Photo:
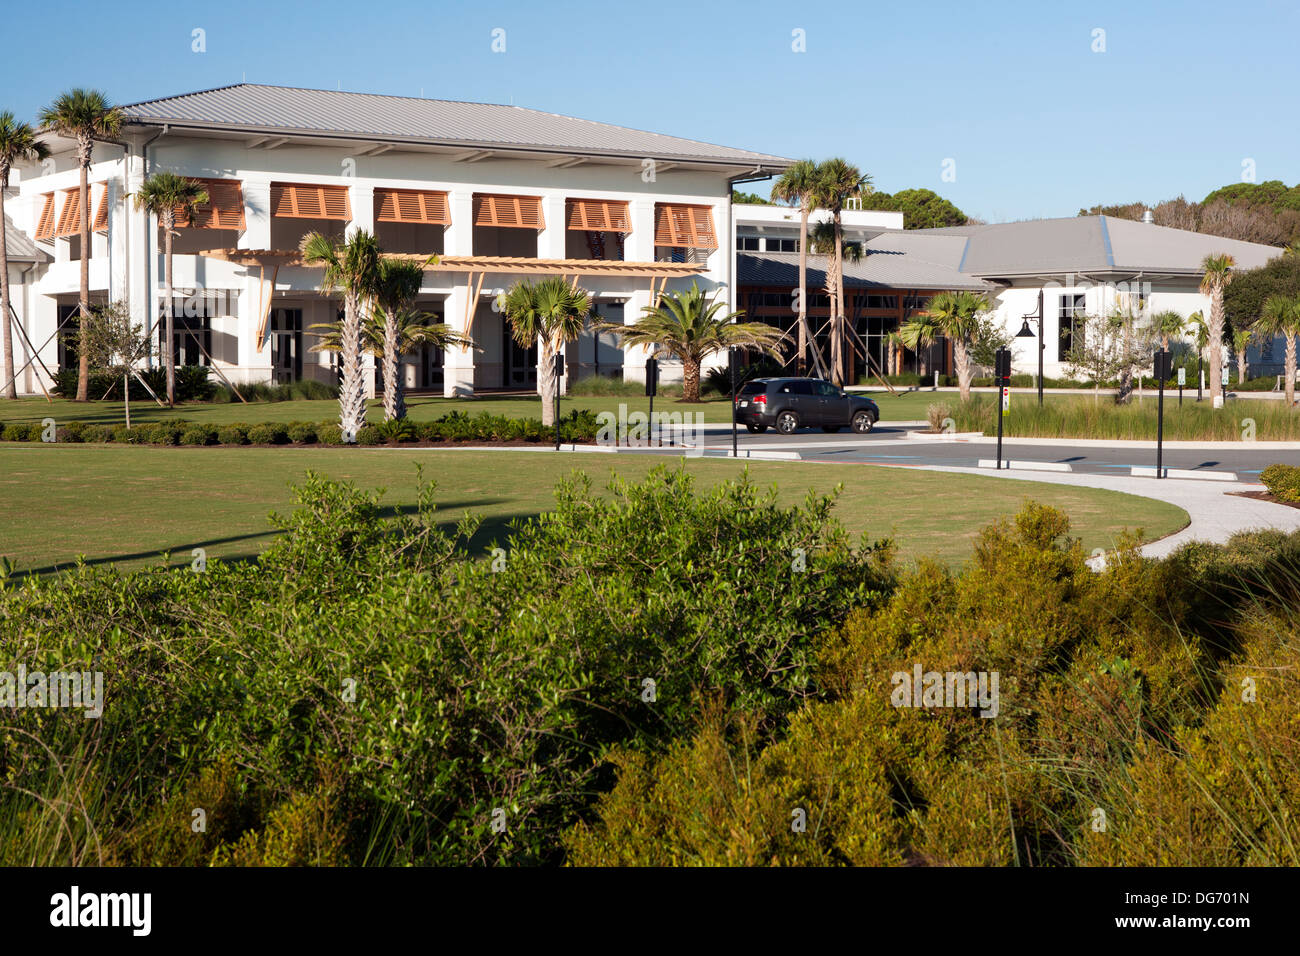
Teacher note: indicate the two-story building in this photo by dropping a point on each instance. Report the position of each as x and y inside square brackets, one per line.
[498, 193]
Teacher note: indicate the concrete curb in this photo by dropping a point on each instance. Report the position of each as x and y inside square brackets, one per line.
[1142, 471]
[1026, 465]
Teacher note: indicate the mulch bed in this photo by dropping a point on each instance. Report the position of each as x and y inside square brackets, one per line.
[1265, 496]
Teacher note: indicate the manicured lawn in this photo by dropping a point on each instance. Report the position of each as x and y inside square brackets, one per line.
[127, 504]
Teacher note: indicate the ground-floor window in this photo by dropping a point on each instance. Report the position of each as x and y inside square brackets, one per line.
[521, 363]
[286, 346]
[68, 326]
[1071, 313]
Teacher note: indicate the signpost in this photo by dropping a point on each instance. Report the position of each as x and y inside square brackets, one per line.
[731, 367]
[1003, 371]
[1182, 380]
[1163, 360]
[652, 386]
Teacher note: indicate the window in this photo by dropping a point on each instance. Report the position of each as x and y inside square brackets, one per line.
[827, 390]
[223, 210]
[1071, 314]
[290, 201]
[797, 388]
[782, 245]
[510, 212]
[412, 206]
[683, 226]
[599, 215]
[747, 243]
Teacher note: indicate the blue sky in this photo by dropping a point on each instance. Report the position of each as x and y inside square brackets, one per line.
[1035, 122]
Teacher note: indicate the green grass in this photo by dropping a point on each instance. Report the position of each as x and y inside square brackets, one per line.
[1100, 417]
[126, 505]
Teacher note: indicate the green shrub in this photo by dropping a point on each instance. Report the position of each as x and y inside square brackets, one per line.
[232, 435]
[97, 433]
[1282, 481]
[372, 435]
[302, 433]
[329, 433]
[268, 434]
[199, 435]
[936, 413]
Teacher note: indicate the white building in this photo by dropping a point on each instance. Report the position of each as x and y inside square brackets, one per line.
[1086, 265]
[499, 193]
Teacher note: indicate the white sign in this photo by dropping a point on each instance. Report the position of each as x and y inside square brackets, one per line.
[1006, 400]
[1182, 377]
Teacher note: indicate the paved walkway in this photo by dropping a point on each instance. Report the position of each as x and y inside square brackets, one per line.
[1215, 513]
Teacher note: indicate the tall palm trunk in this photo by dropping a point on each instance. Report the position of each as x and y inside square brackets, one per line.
[839, 367]
[690, 378]
[1216, 343]
[546, 379]
[1290, 369]
[168, 353]
[394, 397]
[83, 356]
[961, 359]
[352, 393]
[10, 390]
[802, 366]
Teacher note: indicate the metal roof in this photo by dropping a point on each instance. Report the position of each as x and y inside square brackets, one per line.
[281, 110]
[1093, 244]
[892, 261]
[22, 247]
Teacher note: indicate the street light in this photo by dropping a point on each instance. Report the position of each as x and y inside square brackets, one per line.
[1027, 333]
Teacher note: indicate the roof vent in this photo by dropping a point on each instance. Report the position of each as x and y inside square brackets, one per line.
[1147, 217]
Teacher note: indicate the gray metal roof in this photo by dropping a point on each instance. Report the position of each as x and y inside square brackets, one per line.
[22, 247]
[1093, 244]
[892, 261]
[284, 110]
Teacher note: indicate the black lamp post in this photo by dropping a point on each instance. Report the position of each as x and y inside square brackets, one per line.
[1027, 333]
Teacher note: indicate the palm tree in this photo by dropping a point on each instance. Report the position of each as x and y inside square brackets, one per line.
[798, 184]
[837, 182]
[919, 332]
[18, 144]
[1242, 339]
[399, 284]
[165, 195]
[1218, 273]
[1201, 336]
[822, 240]
[550, 313]
[689, 326]
[957, 316]
[1167, 325]
[412, 329]
[351, 267]
[85, 116]
[1281, 316]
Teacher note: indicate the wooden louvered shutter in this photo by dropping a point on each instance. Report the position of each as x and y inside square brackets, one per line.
[289, 201]
[510, 212]
[223, 210]
[412, 205]
[101, 211]
[682, 226]
[70, 214]
[599, 215]
[45, 225]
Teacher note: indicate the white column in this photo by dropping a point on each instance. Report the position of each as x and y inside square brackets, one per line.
[135, 229]
[458, 240]
[638, 246]
[255, 366]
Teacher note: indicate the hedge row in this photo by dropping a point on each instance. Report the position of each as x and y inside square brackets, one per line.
[578, 426]
[1282, 481]
[192, 383]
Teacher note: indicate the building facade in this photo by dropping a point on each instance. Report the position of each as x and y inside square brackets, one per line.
[497, 193]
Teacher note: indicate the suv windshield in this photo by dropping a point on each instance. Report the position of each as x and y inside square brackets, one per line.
[753, 388]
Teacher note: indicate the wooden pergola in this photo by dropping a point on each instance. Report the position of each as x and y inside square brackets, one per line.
[475, 268]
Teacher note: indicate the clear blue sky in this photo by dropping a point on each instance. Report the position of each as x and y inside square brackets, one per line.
[1036, 123]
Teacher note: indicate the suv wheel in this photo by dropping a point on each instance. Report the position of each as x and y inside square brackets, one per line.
[787, 423]
[863, 422]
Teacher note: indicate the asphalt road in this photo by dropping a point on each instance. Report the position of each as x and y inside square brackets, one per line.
[888, 445]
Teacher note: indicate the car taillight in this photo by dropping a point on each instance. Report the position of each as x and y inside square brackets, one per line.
[760, 399]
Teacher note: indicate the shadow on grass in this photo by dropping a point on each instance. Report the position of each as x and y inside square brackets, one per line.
[493, 530]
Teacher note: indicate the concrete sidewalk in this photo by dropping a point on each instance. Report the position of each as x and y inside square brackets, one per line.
[1215, 513]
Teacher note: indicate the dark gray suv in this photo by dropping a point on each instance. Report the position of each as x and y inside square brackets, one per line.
[788, 404]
